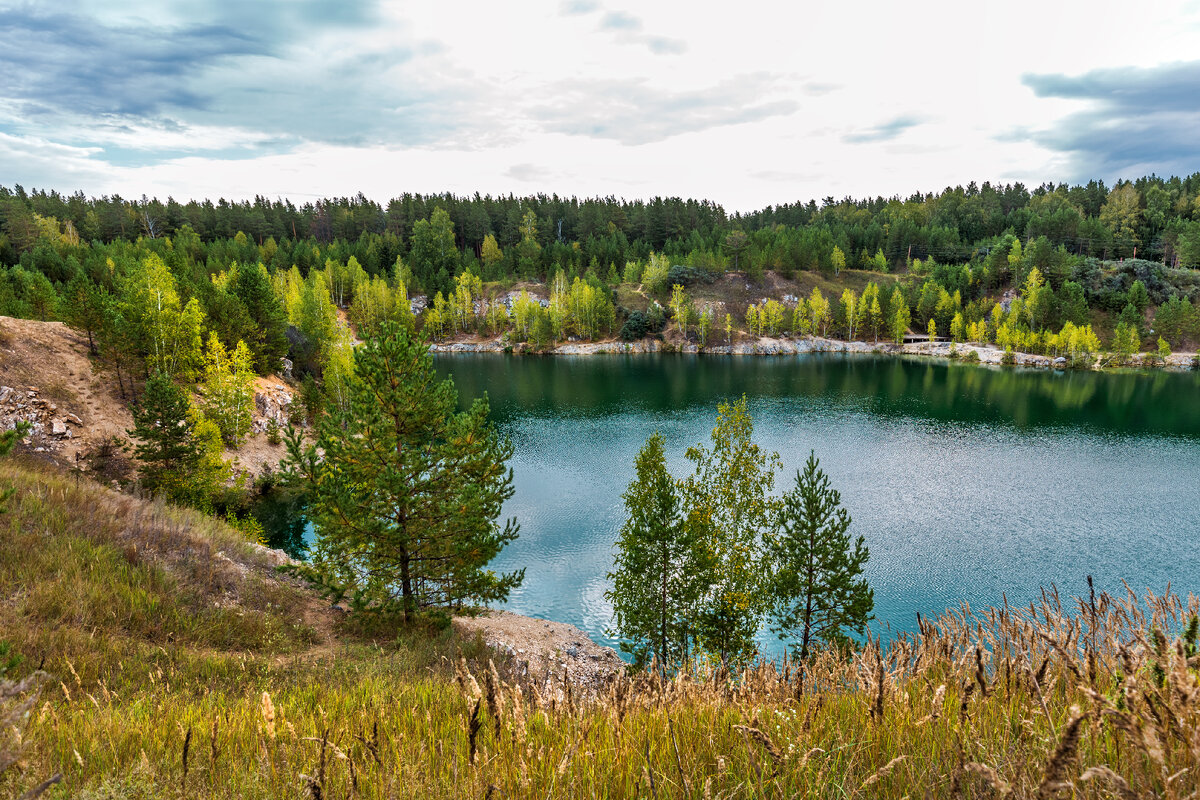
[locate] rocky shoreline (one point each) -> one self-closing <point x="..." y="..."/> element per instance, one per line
<point x="765" y="346"/>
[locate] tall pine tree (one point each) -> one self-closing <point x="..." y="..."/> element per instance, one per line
<point x="660" y="566"/>
<point x="404" y="490"/>
<point x="815" y="593"/>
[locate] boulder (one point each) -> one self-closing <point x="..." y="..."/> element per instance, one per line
<point x="59" y="428"/>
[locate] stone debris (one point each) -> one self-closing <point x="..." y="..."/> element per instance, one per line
<point x="545" y="651"/>
<point x="272" y="403"/>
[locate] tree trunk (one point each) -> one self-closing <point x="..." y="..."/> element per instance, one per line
<point x="662" y="644"/>
<point x="406" y="589"/>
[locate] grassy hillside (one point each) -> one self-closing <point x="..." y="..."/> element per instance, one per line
<point x="180" y="665"/>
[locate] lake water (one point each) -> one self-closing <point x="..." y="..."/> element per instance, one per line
<point x="969" y="483"/>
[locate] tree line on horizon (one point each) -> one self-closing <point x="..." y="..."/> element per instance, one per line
<point x="1156" y="218"/>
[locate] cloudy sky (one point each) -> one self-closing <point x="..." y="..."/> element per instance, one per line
<point x="747" y="103"/>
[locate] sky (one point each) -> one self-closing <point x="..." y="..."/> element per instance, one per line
<point x="747" y="104"/>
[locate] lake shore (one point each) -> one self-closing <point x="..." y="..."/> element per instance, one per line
<point x="767" y="346"/>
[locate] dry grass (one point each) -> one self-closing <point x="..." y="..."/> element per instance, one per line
<point x="1090" y="698"/>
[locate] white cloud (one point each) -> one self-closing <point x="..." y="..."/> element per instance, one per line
<point x="760" y="103"/>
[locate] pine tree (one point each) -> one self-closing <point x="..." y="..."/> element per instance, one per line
<point x="166" y="447"/>
<point x="405" y="491"/>
<point x="269" y="342"/>
<point x="82" y="308"/>
<point x="657" y="574"/>
<point x="815" y="592"/>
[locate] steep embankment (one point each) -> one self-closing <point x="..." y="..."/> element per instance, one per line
<point x="151" y="621"/>
<point x="77" y="413"/>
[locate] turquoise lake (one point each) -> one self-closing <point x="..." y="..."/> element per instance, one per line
<point x="968" y="483"/>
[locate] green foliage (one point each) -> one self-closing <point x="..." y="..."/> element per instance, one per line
<point x="8" y="440"/>
<point x="655" y="273"/>
<point x="434" y="255"/>
<point x="837" y="260"/>
<point x="815" y="591"/>
<point x="658" y="573"/>
<point x="1125" y="342"/>
<point x="268" y="341"/>
<point x="228" y="389"/>
<point x="82" y="307"/>
<point x="315" y="316"/>
<point x="727" y="504"/>
<point x="405" y="491"/>
<point x="164" y="328"/>
<point x="901" y="318"/>
<point x="681" y="308"/>
<point x="165" y="445"/>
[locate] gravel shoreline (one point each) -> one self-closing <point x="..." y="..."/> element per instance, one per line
<point x="544" y="651"/>
<point x="765" y="346"/>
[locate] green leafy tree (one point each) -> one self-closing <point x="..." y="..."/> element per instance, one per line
<point x="229" y="389"/>
<point x="654" y="275"/>
<point x="820" y="310"/>
<point x="404" y="490"/>
<point x="491" y="255"/>
<point x="681" y="308"/>
<point x="338" y="370"/>
<point x="901" y="317"/>
<point x="727" y="502"/>
<point x="166" y="329"/>
<point x="40" y="294"/>
<point x="658" y="571"/>
<point x="736" y="242"/>
<point x="837" y="260"/>
<point x="529" y="251"/>
<point x="1125" y="342"/>
<point x="1139" y="298"/>
<point x="704" y="326"/>
<point x="815" y="592"/>
<point x="314" y="315"/>
<point x="1121" y="214"/>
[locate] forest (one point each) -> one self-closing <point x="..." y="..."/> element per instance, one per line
<point x="208" y="294"/>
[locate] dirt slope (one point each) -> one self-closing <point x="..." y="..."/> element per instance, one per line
<point x="46" y="366"/>
<point x="75" y="406"/>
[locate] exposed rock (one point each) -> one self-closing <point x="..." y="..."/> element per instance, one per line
<point x="273" y="403"/>
<point x="286" y="367"/>
<point x="58" y="428"/>
<point x="546" y="651"/>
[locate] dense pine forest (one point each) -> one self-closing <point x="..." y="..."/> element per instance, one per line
<point x="172" y="288"/>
